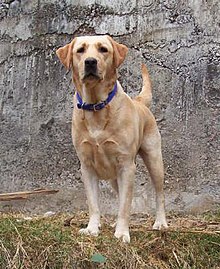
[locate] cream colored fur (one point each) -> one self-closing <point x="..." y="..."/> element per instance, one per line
<point x="107" y="141"/>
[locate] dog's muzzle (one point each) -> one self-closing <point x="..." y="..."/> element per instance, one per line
<point x="90" y="68"/>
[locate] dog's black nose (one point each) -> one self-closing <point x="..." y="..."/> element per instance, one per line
<point x="90" y="62"/>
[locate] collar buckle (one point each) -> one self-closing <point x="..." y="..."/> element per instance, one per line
<point x="96" y="107"/>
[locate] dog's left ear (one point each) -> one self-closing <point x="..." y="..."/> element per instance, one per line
<point x="65" y="54"/>
<point x="120" y="52"/>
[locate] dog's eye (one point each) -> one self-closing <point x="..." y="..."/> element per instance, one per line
<point x="80" y="50"/>
<point x="103" y="49"/>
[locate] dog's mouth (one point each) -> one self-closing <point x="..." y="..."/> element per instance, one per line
<point x="91" y="76"/>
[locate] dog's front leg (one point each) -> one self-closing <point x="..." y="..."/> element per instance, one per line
<point x="91" y="184"/>
<point x="125" y="187"/>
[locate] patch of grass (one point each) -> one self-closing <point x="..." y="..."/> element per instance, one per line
<point x="47" y="243"/>
<point x="212" y="215"/>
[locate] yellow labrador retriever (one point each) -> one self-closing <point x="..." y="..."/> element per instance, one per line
<point x="109" y="128"/>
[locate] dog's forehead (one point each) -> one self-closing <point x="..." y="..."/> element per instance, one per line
<point x="92" y="40"/>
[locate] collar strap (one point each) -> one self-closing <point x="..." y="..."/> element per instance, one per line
<point x="96" y="106"/>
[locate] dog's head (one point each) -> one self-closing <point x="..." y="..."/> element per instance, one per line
<point x="92" y="57"/>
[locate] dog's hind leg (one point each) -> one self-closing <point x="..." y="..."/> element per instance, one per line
<point x="91" y="184"/>
<point x="114" y="184"/>
<point x="150" y="152"/>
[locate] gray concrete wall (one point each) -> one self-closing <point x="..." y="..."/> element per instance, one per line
<point x="180" y="43"/>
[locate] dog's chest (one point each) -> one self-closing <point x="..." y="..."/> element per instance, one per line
<point x="100" y="151"/>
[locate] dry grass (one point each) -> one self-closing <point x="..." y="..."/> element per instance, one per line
<point x="51" y="243"/>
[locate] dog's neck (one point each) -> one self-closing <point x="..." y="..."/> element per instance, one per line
<point x="94" y="91"/>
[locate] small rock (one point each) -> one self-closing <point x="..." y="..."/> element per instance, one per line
<point x="49" y="214"/>
<point x="27" y="218"/>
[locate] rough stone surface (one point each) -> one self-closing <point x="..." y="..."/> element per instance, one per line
<point x="180" y="43"/>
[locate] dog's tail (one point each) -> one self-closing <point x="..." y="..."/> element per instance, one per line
<point x="145" y="95"/>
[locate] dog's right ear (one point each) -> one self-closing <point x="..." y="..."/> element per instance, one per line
<point x="65" y="54"/>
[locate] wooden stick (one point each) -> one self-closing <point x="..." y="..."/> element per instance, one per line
<point x="24" y="194"/>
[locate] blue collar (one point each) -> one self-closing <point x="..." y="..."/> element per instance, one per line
<point x="97" y="106"/>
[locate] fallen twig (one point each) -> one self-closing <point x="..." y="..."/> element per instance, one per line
<point x="24" y="194"/>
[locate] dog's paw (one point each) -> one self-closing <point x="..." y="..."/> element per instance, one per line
<point x="160" y="224"/>
<point x="124" y="236"/>
<point x="89" y="231"/>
